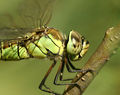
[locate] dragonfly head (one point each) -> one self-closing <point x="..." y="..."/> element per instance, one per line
<point x="77" y="45"/>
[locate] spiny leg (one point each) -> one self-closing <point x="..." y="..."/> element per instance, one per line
<point x="64" y="62"/>
<point x="59" y="75"/>
<point x="68" y="64"/>
<point x="60" y="72"/>
<point x="72" y="66"/>
<point x="76" y="69"/>
<point x="44" y="79"/>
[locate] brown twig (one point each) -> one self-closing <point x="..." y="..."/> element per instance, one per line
<point x="103" y="53"/>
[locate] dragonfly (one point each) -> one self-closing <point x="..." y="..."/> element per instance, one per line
<point x="29" y="37"/>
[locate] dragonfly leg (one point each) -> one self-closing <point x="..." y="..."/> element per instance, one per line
<point x="59" y="75"/>
<point x="65" y="62"/>
<point x="72" y="66"/>
<point x="76" y="69"/>
<point x="42" y="84"/>
<point x="62" y="70"/>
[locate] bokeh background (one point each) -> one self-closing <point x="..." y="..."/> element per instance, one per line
<point x="91" y="18"/>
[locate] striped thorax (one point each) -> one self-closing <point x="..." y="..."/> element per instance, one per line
<point x="42" y="43"/>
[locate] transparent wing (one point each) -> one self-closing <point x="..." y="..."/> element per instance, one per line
<point x="38" y="12"/>
<point x="12" y="33"/>
<point x="29" y="14"/>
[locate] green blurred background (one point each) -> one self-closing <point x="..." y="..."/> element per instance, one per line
<point x="89" y="17"/>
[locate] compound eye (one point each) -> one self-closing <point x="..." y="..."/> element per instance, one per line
<point x="74" y="44"/>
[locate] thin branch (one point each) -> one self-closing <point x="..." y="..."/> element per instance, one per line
<point x="103" y="53"/>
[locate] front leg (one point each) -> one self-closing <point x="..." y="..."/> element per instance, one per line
<point x="59" y="74"/>
<point x="72" y="66"/>
<point x="74" y="69"/>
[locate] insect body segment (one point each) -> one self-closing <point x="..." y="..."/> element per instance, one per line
<point x="37" y="44"/>
<point x="12" y="51"/>
<point x="77" y="45"/>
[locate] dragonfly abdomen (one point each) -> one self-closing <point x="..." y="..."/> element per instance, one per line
<point x="12" y="51"/>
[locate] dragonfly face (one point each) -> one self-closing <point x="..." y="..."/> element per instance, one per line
<point x="76" y="46"/>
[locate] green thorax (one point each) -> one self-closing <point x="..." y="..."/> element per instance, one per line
<point x="45" y="42"/>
